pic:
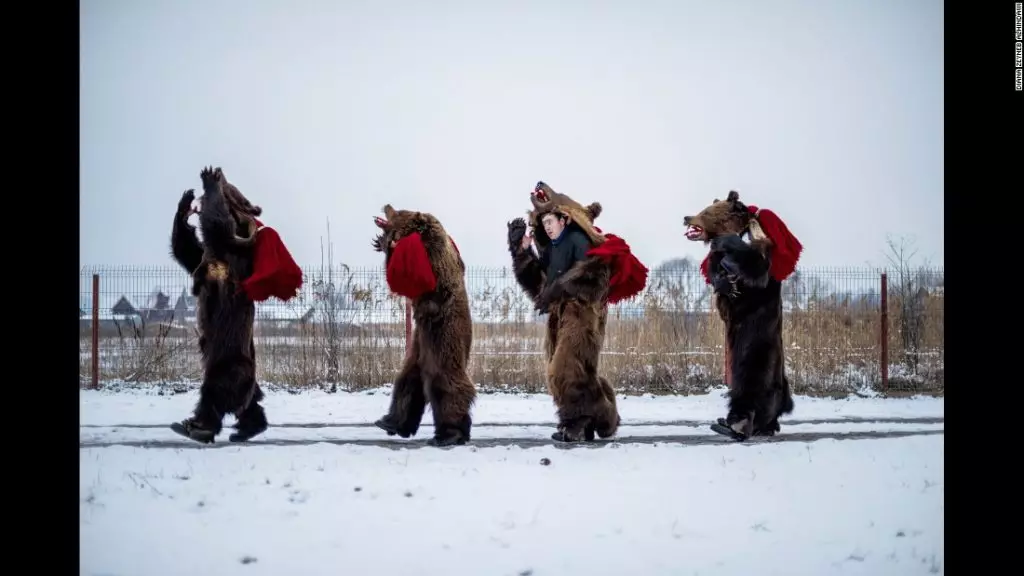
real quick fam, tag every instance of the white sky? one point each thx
(829, 112)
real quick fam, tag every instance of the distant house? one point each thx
(185, 308)
(123, 310)
(158, 309)
(121, 313)
(275, 314)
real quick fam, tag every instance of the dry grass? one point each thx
(666, 341)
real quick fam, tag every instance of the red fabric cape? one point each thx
(785, 252)
(275, 272)
(629, 275)
(409, 272)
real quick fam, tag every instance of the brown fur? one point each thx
(436, 370)
(749, 301)
(577, 310)
(721, 218)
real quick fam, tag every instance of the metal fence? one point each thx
(845, 330)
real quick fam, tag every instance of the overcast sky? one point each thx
(829, 112)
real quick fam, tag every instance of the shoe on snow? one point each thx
(385, 424)
(189, 429)
(738, 431)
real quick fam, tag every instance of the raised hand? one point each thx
(210, 177)
(516, 235)
(185, 204)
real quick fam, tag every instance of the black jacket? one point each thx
(571, 248)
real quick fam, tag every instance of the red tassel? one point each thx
(629, 275)
(275, 272)
(409, 272)
(704, 268)
(786, 248)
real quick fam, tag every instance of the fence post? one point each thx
(728, 364)
(95, 331)
(884, 359)
(408, 327)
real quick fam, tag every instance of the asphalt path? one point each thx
(172, 441)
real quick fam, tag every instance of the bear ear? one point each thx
(733, 196)
(595, 210)
(389, 212)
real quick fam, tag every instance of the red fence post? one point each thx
(728, 363)
(408, 326)
(885, 332)
(95, 331)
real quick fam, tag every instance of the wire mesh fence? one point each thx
(346, 330)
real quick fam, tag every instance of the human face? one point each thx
(553, 225)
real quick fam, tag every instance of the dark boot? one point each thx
(195, 429)
(252, 422)
(452, 435)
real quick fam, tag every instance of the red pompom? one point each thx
(275, 272)
(629, 275)
(409, 272)
(786, 250)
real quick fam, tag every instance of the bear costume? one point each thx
(238, 263)
(747, 283)
(423, 264)
(573, 283)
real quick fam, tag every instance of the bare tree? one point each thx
(908, 289)
(331, 305)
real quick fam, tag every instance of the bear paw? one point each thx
(516, 231)
(734, 289)
(185, 204)
(553, 292)
(210, 177)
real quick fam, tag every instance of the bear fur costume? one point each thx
(577, 308)
(225, 312)
(747, 283)
(423, 264)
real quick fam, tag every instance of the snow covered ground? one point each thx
(324, 492)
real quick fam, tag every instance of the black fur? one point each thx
(528, 270)
(224, 315)
(750, 303)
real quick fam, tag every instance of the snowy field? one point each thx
(851, 486)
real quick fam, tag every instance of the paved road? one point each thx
(696, 423)
(522, 442)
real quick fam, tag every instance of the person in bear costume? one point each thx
(239, 262)
(573, 277)
(746, 278)
(422, 263)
